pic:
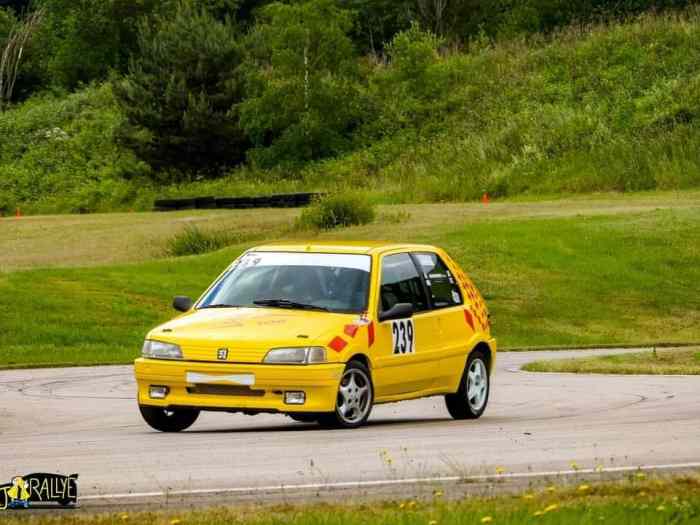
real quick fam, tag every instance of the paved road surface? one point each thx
(85, 420)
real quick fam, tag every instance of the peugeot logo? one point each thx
(222, 354)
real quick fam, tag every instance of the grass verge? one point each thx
(668, 361)
(567, 273)
(634, 501)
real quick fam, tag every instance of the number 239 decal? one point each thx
(403, 335)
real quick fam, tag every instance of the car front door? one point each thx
(406, 353)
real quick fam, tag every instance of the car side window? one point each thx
(442, 285)
(401, 283)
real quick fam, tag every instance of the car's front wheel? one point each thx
(473, 395)
(169, 420)
(354, 400)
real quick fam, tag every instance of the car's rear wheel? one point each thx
(169, 420)
(354, 400)
(470, 401)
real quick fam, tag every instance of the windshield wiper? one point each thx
(286, 303)
(220, 306)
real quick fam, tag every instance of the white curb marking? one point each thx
(384, 482)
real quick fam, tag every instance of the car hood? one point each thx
(247, 333)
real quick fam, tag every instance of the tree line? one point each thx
(209, 84)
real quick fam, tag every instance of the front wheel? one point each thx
(167, 420)
(354, 400)
(473, 395)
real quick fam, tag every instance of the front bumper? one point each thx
(319, 382)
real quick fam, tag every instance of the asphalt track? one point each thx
(85, 420)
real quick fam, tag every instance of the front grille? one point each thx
(225, 390)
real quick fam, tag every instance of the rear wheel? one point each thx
(473, 395)
(354, 400)
(169, 420)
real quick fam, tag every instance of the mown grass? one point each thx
(635, 501)
(667, 361)
(549, 276)
(98, 239)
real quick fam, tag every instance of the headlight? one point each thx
(300, 356)
(159, 350)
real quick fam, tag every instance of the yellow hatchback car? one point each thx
(321, 332)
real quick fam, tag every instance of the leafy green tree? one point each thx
(83, 40)
(303, 92)
(7, 22)
(180, 89)
(404, 93)
(379, 20)
(18, 6)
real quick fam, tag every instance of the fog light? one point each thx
(294, 398)
(158, 392)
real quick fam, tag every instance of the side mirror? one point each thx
(182, 303)
(398, 311)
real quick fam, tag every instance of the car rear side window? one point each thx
(442, 285)
(401, 283)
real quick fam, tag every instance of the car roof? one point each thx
(358, 247)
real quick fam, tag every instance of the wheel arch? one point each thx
(362, 358)
(484, 348)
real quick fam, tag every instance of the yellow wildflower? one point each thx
(432, 522)
(500, 470)
(438, 493)
(583, 488)
(124, 517)
(411, 504)
(599, 468)
(640, 475)
(661, 508)
(574, 465)
(551, 488)
(551, 507)
(528, 496)
(538, 513)
(175, 521)
(486, 519)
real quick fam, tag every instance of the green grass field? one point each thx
(635, 502)
(569, 272)
(672, 361)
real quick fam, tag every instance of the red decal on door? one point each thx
(337, 344)
(370, 334)
(351, 329)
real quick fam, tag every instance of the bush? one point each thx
(60, 155)
(337, 210)
(194, 241)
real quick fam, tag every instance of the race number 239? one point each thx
(403, 335)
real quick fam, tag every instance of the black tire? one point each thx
(304, 418)
(336, 419)
(167, 420)
(459, 405)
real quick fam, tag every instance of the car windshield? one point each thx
(311, 281)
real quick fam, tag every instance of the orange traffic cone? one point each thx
(485, 198)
